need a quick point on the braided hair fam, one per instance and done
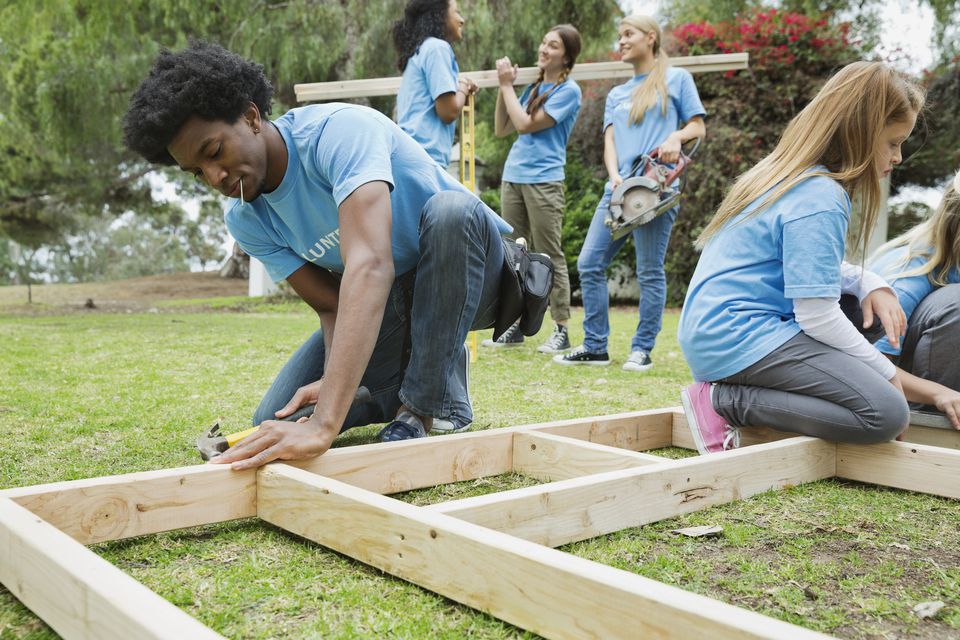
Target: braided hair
(571, 49)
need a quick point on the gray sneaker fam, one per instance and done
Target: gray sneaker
(512, 337)
(638, 361)
(443, 426)
(558, 342)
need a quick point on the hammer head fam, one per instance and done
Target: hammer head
(213, 443)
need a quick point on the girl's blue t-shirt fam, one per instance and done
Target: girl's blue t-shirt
(912, 289)
(631, 140)
(332, 149)
(739, 305)
(431, 72)
(541, 156)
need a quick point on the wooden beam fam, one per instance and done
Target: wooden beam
(133, 504)
(76, 592)
(924, 431)
(550, 457)
(903, 465)
(343, 89)
(570, 510)
(123, 506)
(551, 593)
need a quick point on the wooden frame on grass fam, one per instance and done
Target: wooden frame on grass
(492, 552)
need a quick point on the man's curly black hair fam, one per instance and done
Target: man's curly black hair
(422, 19)
(202, 80)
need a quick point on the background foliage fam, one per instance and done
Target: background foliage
(70, 66)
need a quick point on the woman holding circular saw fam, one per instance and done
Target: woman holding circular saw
(658, 108)
(531, 195)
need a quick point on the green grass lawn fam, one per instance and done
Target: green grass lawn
(88, 394)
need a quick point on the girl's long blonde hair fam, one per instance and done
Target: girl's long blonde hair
(840, 129)
(654, 86)
(937, 239)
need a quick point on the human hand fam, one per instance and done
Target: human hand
(506, 72)
(467, 86)
(615, 181)
(883, 304)
(305, 395)
(670, 148)
(278, 440)
(949, 403)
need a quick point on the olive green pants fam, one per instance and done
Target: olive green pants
(535, 211)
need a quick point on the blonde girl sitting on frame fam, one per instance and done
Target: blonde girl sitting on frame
(761, 326)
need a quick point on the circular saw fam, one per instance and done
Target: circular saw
(653, 188)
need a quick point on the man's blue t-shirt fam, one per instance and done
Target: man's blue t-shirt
(332, 149)
(631, 140)
(912, 289)
(430, 73)
(540, 156)
(739, 305)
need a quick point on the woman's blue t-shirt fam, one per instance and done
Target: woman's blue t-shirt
(912, 289)
(541, 156)
(332, 149)
(430, 73)
(739, 305)
(631, 140)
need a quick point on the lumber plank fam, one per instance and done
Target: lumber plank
(902, 465)
(635, 430)
(557, 513)
(924, 431)
(550, 457)
(80, 595)
(365, 88)
(134, 504)
(551, 593)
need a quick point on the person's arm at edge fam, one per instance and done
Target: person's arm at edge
(320, 290)
(945, 399)
(502, 125)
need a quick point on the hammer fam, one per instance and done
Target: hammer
(215, 442)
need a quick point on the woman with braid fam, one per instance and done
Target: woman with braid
(658, 108)
(532, 196)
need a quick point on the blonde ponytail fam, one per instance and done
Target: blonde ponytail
(654, 88)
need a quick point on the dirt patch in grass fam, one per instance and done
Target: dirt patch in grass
(133, 294)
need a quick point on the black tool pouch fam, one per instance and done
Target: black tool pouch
(525, 285)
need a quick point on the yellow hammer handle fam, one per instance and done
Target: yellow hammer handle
(234, 438)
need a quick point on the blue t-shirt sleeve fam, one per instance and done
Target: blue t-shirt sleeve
(690, 105)
(563, 103)
(812, 250)
(440, 67)
(608, 109)
(353, 149)
(279, 259)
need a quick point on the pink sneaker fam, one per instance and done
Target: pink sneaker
(710, 432)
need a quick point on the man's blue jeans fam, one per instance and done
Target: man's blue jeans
(650, 243)
(454, 289)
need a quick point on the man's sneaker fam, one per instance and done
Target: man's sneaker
(442, 426)
(638, 361)
(582, 356)
(558, 341)
(510, 338)
(405, 426)
(711, 433)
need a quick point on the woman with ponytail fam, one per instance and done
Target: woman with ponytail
(923, 267)
(762, 328)
(531, 194)
(658, 107)
(431, 92)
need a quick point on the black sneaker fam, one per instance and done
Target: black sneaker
(638, 361)
(510, 338)
(558, 342)
(582, 356)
